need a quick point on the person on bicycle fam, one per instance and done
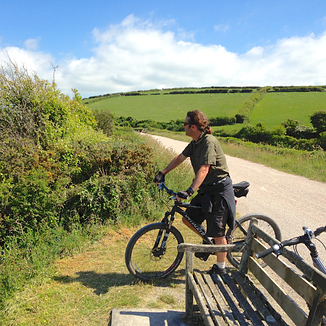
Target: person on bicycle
(215, 191)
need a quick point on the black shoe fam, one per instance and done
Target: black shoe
(203, 255)
(215, 270)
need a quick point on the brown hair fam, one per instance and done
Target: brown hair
(199, 119)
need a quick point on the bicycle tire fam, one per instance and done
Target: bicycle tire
(265, 222)
(143, 262)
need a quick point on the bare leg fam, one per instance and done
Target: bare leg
(221, 256)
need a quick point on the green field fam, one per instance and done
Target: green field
(275, 108)
(272, 110)
(164, 108)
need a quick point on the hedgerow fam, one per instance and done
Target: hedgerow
(57, 166)
(61, 172)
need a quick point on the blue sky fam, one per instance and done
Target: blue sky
(111, 46)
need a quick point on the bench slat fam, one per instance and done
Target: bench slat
(251, 314)
(286, 303)
(220, 300)
(307, 269)
(254, 299)
(212, 307)
(200, 301)
(305, 289)
(228, 295)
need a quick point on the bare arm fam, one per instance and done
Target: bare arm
(200, 176)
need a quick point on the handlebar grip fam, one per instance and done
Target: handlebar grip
(264, 253)
(319, 231)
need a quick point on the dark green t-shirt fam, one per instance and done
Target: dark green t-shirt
(207, 150)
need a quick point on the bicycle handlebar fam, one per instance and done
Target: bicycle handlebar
(319, 231)
(162, 186)
(276, 248)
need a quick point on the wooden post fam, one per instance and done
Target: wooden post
(189, 295)
(243, 268)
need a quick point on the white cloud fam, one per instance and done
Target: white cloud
(32, 44)
(137, 55)
(37, 62)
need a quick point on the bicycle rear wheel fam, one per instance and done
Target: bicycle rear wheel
(238, 235)
(148, 258)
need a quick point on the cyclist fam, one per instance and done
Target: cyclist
(215, 192)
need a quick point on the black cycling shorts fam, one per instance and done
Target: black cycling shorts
(216, 220)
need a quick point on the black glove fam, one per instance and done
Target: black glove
(159, 178)
(185, 194)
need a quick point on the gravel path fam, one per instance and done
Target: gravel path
(292, 201)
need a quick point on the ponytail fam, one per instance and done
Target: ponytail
(208, 130)
(199, 119)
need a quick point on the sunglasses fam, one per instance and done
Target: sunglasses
(186, 124)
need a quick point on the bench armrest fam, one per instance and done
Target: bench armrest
(189, 247)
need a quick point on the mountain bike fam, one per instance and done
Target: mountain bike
(305, 239)
(152, 252)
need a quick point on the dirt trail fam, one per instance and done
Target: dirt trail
(292, 201)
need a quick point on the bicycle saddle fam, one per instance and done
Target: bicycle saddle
(241, 189)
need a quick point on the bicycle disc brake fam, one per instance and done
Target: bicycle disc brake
(158, 252)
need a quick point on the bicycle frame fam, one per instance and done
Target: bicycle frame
(177, 208)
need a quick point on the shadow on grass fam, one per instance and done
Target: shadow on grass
(101, 283)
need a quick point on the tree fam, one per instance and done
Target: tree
(290, 126)
(318, 120)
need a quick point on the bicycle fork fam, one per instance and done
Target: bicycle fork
(159, 250)
(314, 256)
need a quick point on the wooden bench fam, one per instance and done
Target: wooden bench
(237, 298)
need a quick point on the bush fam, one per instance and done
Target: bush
(222, 121)
(34, 109)
(318, 120)
(58, 157)
(322, 140)
(295, 129)
(255, 134)
(290, 126)
(104, 121)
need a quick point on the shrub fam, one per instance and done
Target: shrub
(222, 121)
(322, 140)
(290, 126)
(318, 120)
(104, 121)
(30, 202)
(34, 109)
(255, 134)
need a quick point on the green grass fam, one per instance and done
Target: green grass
(83, 289)
(275, 108)
(302, 163)
(164, 108)
(272, 110)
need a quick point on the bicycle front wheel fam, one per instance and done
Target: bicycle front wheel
(239, 234)
(152, 253)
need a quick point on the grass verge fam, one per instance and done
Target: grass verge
(84, 288)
